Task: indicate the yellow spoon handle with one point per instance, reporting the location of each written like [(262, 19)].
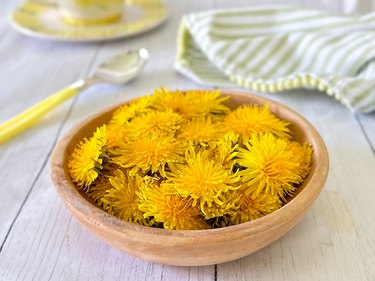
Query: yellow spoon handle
[(26, 119)]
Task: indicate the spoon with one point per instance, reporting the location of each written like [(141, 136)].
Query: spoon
[(119, 69)]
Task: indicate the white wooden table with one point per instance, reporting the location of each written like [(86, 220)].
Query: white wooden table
[(40, 240)]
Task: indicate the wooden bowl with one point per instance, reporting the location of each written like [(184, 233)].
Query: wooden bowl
[(192, 247)]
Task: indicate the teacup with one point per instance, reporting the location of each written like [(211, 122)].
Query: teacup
[(90, 12)]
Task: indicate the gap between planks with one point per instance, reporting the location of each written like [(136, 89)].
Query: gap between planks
[(364, 133)]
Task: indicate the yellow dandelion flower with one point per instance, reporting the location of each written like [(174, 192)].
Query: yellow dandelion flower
[(269, 166), (127, 112), (175, 101), (252, 119), (99, 189), (202, 131), (252, 208), (85, 162), (209, 102), (169, 208), (225, 150), (156, 122), (122, 199), (150, 153), (117, 135), (230, 203), (201, 178), (190, 104), (303, 153)]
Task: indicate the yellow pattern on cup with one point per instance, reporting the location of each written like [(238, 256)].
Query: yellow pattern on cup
[(90, 22), (97, 3), (90, 12)]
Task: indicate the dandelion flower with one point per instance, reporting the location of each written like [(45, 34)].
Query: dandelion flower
[(122, 199), (303, 152), (252, 208), (230, 202), (202, 131), (86, 162), (169, 208), (151, 153), (175, 101), (117, 135), (99, 189), (127, 112), (269, 166), (225, 150), (209, 102), (252, 119), (156, 122), (190, 104), (201, 178)]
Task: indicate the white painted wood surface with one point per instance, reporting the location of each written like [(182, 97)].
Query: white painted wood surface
[(39, 239)]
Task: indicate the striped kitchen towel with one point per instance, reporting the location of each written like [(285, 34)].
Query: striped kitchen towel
[(271, 49)]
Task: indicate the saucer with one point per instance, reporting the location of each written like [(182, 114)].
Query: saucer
[(42, 20)]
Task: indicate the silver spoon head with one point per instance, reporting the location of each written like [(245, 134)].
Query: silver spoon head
[(122, 68)]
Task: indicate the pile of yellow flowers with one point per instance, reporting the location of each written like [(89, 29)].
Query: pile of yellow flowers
[(184, 161)]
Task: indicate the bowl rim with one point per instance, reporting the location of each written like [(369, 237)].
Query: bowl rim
[(92, 214)]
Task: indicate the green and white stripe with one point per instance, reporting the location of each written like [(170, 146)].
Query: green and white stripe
[(271, 49)]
